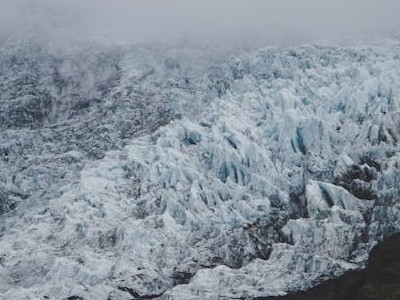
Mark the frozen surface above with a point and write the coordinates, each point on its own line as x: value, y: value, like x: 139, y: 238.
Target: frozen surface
x: 175, y: 175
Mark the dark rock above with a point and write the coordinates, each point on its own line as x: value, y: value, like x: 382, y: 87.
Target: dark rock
x: 136, y: 295
x: 182, y: 277
x: 379, y: 280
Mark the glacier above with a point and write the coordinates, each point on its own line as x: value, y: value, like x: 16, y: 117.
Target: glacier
x: 182, y: 174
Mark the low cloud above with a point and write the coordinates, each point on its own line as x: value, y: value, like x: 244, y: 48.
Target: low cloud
x: 258, y: 22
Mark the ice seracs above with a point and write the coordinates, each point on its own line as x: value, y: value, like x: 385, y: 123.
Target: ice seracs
x: 271, y: 172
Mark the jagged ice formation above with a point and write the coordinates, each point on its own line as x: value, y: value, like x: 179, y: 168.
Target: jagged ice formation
x: 131, y: 173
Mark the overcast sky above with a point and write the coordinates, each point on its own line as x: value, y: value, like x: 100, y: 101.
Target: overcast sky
x: 274, y: 21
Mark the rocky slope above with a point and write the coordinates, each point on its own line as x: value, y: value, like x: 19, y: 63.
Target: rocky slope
x: 379, y: 280
x: 136, y: 173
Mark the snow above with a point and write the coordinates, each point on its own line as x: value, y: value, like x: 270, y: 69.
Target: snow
x: 249, y: 185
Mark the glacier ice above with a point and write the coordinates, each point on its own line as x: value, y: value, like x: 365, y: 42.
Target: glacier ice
x: 247, y: 177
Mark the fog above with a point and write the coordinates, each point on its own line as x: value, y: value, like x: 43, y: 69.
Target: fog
x: 251, y: 23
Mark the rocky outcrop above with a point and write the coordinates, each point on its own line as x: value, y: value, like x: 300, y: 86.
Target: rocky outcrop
x: 379, y: 280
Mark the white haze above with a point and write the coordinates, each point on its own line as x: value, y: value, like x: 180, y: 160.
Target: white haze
x: 242, y: 22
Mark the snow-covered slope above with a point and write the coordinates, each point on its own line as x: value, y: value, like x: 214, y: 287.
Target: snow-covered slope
x: 181, y: 179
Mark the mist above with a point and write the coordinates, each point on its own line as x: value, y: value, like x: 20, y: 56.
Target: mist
x: 251, y: 23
